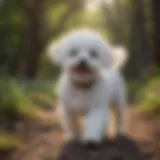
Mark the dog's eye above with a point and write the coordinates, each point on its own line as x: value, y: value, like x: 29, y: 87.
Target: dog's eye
x: 94, y: 53
x: 73, y: 52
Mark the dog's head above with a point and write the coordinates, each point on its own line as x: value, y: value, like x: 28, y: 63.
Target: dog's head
x: 82, y: 54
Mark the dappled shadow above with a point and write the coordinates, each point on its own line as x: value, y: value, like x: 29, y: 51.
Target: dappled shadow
x: 121, y: 148
x: 46, y: 142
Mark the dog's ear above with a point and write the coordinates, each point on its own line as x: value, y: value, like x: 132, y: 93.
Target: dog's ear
x: 120, y: 56
x: 116, y: 56
x: 108, y: 60
x: 56, y: 53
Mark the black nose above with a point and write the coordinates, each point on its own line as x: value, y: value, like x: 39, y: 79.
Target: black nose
x: 83, y: 62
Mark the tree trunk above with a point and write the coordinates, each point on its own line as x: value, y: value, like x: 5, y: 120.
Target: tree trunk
x: 33, y: 39
x: 140, y: 57
x: 156, y: 28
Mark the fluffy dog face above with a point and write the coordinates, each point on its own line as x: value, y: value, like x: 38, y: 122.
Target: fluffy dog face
x: 82, y: 54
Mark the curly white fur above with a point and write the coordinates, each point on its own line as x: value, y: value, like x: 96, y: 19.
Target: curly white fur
x: 108, y: 86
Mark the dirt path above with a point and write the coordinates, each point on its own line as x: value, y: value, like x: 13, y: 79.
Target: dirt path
x: 48, y: 138
x: 145, y: 130
x: 45, y: 139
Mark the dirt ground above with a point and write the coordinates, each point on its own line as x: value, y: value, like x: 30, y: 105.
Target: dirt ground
x: 145, y: 131
x: 46, y: 137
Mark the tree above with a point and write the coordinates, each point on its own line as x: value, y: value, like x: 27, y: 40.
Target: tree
x: 37, y: 34
x: 156, y: 30
x: 125, y: 23
x: 117, y: 21
x: 11, y: 29
x: 139, y: 37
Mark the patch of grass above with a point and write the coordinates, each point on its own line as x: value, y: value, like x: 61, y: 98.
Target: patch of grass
x: 9, y: 141
x: 148, y: 98
x: 43, y: 92
x: 132, y: 89
x: 18, y: 99
x: 14, y: 102
x: 17, y: 103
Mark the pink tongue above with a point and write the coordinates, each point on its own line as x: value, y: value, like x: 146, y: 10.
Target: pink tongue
x: 82, y: 70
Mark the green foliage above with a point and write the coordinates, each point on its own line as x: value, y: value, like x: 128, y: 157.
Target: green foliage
x: 11, y: 29
x: 117, y: 20
x: 21, y: 101
x: 54, y: 14
x: 8, y: 141
x: 13, y: 101
x: 148, y: 98
x: 132, y: 88
x: 48, y: 70
x: 40, y: 92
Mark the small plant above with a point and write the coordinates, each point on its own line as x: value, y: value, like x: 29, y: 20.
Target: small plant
x: 41, y: 93
x: 14, y: 103
x: 9, y: 141
x: 149, y: 97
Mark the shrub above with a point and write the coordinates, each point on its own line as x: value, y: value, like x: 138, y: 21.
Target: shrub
x: 9, y: 141
x: 149, y: 96
x: 13, y: 101
x: 17, y: 103
x: 41, y: 92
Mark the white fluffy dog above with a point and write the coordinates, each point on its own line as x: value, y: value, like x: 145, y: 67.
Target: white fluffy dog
x: 90, y: 83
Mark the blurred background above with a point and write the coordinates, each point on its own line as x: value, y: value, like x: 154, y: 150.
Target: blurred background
x: 28, y: 77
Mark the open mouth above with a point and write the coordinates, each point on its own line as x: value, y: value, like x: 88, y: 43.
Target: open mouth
x: 81, y: 69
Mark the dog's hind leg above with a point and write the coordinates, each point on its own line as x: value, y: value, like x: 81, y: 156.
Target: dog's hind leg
x: 121, y: 104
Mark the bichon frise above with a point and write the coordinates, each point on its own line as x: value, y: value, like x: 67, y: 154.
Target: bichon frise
x: 90, y: 83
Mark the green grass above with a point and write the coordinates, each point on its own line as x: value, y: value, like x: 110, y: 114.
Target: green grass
x: 14, y: 101
x: 148, y: 98
x: 9, y: 141
x: 18, y: 98
x: 17, y: 102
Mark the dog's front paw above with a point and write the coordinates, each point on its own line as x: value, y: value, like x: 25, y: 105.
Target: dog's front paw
x: 115, y: 135
x: 91, y: 142
x: 92, y: 145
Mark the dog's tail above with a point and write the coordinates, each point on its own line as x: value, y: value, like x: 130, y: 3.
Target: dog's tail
x: 120, y: 57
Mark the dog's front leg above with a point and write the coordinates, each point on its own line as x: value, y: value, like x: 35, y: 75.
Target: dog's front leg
x: 70, y: 123
x: 95, y: 124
